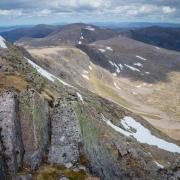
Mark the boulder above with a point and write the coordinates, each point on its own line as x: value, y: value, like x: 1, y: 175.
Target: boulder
x: 23, y: 177
x: 11, y: 142
x: 66, y: 134
x: 35, y: 127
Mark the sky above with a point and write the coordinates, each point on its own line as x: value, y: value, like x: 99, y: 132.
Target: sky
x: 26, y: 12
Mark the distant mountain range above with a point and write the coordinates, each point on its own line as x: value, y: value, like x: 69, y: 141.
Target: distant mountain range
x: 13, y: 34
x: 168, y: 38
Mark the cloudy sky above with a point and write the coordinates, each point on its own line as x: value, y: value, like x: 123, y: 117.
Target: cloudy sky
x: 57, y: 11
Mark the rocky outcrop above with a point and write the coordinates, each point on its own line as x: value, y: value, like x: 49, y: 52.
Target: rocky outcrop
x: 34, y: 123
x: 11, y: 142
x: 66, y: 134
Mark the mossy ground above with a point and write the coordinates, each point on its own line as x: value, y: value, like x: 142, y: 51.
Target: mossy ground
x: 48, y: 172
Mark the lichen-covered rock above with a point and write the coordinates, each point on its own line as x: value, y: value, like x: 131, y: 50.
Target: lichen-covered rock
x: 11, y: 141
x: 23, y: 177
x: 66, y: 134
x: 34, y: 124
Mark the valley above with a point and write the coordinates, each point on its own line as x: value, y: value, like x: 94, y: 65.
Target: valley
x: 84, y: 102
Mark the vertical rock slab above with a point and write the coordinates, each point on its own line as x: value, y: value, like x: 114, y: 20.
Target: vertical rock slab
x: 34, y: 123
x: 66, y: 134
x: 11, y: 142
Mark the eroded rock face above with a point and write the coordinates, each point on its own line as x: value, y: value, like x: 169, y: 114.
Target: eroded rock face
x: 34, y: 124
x: 11, y: 142
x: 66, y: 134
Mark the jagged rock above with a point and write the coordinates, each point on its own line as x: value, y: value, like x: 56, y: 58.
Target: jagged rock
x: 23, y: 177
x: 121, y: 148
x: 11, y: 141
x: 34, y: 124
x: 66, y: 134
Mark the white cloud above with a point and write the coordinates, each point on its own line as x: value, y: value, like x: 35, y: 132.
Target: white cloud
x: 11, y: 12
x: 92, y: 4
x: 168, y: 10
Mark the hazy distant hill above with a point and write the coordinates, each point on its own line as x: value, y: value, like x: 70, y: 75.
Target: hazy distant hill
x: 38, y: 31
x: 168, y: 38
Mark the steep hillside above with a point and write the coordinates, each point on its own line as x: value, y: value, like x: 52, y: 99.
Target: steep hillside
x: 51, y: 129
x: 158, y: 36
x: 135, y: 75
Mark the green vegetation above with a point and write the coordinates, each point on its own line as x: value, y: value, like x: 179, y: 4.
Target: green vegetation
x: 48, y: 172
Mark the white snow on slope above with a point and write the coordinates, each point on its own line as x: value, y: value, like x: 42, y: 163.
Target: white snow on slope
x: 80, y: 97
x: 110, y: 62
x: 85, y: 72
x: 2, y: 43
x: 82, y: 37
x: 114, y: 74
x: 142, y: 134
x: 138, y: 64
x: 109, y: 48
x: 102, y: 50
x: 90, y: 28
x: 144, y: 59
x: 79, y: 42
x: 157, y: 47
x: 117, y: 68
x: 46, y: 74
x: 132, y: 68
x: 121, y: 66
x: 90, y: 67
x: 159, y: 165
x: 116, y: 85
x: 85, y: 76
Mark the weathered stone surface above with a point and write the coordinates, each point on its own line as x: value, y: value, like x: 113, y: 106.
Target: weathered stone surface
x: 11, y: 141
x: 34, y: 124
x: 66, y: 135
x: 23, y: 177
x: 2, y: 168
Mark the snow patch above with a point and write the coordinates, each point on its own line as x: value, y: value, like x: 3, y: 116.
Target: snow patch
x: 82, y: 37
x: 110, y: 62
x: 79, y: 42
x: 132, y: 68
x: 144, y: 59
x: 102, y: 50
x: 159, y: 165
x: 85, y: 77
x: 90, y: 68
x: 147, y: 72
x: 2, y: 43
x: 157, y: 47
x: 116, y: 86
x: 121, y: 66
x: 46, y: 74
x: 138, y: 64
x: 90, y: 28
x: 114, y: 74
x: 85, y: 72
x: 80, y: 97
x: 132, y: 128
x: 109, y: 48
